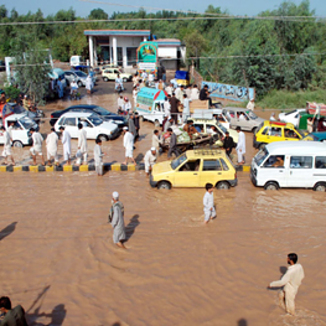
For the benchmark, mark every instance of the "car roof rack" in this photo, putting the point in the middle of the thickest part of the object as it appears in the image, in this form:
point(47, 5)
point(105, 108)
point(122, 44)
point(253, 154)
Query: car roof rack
point(207, 152)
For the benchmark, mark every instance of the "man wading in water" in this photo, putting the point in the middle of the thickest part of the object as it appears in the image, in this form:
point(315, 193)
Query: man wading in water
point(118, 224)
point(290, 281)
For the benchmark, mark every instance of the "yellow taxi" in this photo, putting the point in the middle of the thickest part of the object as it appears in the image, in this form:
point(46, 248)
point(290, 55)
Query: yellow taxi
point(195, 168)
point(272, 131)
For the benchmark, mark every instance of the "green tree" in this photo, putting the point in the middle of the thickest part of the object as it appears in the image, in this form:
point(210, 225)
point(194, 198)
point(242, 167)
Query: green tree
point(98, 14)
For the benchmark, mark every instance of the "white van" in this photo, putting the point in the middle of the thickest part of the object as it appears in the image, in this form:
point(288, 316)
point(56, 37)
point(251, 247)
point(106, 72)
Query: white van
point(76, 60)
point(290, 165)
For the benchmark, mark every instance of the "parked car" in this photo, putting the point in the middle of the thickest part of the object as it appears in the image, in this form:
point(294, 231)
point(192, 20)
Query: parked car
point(103, 113)
point(316, 136)
point(243, 118)
point(95, 126)
point(272, 131)
point(290, 165)
point(291, 117)
point(78, 76)
point(195, 168)
point(58, 73)
point(109, 66)
point(210, 114)
point(112, 74)
point(20, 133)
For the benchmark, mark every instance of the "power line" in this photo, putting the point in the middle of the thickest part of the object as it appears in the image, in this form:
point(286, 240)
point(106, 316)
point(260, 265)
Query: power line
point(313, 19)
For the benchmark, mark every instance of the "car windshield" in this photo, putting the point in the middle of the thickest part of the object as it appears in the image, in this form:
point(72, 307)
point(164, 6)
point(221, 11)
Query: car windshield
point(261, 156)
point(101, 111)
point(300, 132)
point(19, 109)
point(222, 127)
point(310, 137)
point(81, 74)
point(293, 111)
point(179, 160)
point(96, 121)
point(252, 115)
point(26, 122)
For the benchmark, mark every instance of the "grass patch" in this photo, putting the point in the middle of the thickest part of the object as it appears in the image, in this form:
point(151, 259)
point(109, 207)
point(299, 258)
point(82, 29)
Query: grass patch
point(283, 100)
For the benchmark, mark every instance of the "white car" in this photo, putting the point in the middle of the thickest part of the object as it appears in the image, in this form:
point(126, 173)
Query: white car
point(96, 127)
point(291, 117)
point(20, 131)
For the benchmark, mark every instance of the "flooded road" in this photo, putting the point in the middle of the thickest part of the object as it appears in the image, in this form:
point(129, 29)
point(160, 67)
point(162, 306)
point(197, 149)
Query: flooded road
point(61, 265)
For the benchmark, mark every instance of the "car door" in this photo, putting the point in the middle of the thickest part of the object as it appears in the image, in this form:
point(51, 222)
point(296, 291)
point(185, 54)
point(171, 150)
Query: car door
point(231, 115)
point(245, 122)
point(300, 172)
point(211, 172)
point(91, 131)
point(188, 174)
point(291, 134)
point(71, 126)
point(69, 76)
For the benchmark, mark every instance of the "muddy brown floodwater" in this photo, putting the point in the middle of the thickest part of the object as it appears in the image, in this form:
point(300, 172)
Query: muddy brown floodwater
point(59, 262)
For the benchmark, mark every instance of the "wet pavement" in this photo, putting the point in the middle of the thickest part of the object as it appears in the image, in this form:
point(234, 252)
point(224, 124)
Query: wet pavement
point(59, 261)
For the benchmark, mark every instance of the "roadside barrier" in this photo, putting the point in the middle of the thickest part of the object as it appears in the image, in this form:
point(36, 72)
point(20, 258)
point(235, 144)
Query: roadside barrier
point(85, 168)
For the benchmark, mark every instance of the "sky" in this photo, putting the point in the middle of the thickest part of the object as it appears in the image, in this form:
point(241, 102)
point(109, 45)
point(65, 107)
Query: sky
point(235, 7)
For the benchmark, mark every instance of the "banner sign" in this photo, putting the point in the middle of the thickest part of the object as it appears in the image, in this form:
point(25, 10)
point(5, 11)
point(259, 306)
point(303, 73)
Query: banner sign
point(230, 92)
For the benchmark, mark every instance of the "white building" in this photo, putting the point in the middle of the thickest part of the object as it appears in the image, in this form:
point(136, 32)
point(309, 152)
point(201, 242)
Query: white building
point(120, 46)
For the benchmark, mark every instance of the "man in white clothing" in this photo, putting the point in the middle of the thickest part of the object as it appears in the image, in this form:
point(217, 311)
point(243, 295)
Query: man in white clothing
point(186, 108)
point(7, 145)
point(150, 160)
point(290, 282)
point(208, 201)
point(66, 142)
point(98, 157)
point(37, 145)
point(251, 104)
point(52, 147)
point(156, 140)
point(82, 144)
point(128, 143)
point(241, 147)
point(169, 89)
point(272, 118)
point(167, 106)
point(179, 93)
point(121, 103)
point(194, 92)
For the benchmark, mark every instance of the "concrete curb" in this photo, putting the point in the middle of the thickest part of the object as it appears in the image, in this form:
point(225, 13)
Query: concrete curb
point(85, 168)
point(71, 168)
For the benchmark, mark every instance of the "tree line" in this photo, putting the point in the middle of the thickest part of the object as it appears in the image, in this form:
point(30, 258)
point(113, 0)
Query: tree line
point(265, 54)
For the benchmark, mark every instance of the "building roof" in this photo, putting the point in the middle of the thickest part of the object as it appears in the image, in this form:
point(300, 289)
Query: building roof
point(168, 42)
point(117, 32)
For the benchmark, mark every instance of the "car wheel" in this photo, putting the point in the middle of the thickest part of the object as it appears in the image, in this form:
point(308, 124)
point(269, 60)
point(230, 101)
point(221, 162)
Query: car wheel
point(164, 185)
point(102, 138)
point(320, 186)
point(157, 123)
point(223, 185)
point(271, 185)
point(125, 80)
point(80, 84)
point(18, 144)
point(106, 79)
point(262, 146)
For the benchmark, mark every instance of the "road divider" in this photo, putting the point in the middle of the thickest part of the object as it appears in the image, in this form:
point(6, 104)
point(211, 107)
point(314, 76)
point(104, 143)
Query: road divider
point(85, 168)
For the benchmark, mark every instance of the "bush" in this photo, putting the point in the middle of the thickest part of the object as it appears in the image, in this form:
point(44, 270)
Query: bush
point(12, 92)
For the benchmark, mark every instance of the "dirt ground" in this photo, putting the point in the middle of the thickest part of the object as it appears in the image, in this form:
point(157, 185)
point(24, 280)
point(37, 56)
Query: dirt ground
point(59, 261)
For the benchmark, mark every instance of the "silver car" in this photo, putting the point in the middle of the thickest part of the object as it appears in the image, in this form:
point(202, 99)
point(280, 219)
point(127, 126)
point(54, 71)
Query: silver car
point(78, 76)
point(243, 118)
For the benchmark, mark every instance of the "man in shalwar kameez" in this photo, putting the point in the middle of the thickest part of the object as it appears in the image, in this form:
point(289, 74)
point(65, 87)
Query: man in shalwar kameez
point(290, 282)
point(118, 224)
point(208, 202)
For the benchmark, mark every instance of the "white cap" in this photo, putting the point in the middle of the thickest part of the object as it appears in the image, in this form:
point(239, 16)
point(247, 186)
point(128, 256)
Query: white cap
point(115, 195)
point(125, 128)
point(153, 149)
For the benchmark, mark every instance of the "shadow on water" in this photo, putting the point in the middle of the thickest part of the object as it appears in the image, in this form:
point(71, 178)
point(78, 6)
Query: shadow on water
point(242, 322)
point(131, 227)
point(57, 315)
point(7, 230)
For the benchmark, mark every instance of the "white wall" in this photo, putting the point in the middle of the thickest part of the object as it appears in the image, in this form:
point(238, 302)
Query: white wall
point(167, 52)
point(127, 41)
